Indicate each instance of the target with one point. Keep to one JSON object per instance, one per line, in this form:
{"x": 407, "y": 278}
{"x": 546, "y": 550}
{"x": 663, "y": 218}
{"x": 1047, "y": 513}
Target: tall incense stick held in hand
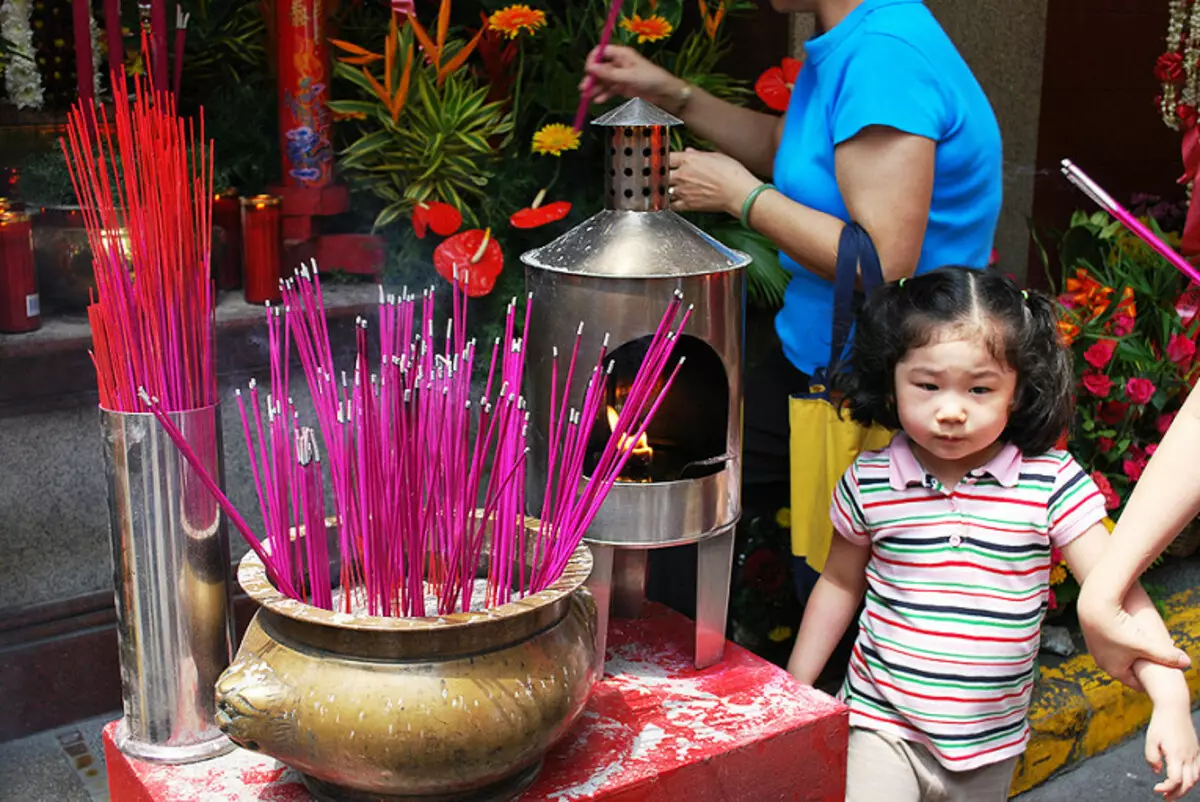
{"x": 585, "y": 94}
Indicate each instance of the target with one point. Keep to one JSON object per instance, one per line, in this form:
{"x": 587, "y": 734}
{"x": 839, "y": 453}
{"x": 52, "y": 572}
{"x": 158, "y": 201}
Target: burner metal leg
{"x": 714, "y": 565}
{"x": 629, "y": 582}
{"x": 600, "y": 584}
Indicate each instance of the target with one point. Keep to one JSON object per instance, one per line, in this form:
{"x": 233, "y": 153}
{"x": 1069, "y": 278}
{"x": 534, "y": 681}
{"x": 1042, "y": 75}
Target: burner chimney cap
{"x": 636, "y": 112}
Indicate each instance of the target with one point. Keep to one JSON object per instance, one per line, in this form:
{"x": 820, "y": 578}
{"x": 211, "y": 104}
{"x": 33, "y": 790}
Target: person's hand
{"x": 625, "y": 72}
{"x": 1115, "y": 640}
{"x": 702, "y": 181}
{"x": 1171, "y": 740}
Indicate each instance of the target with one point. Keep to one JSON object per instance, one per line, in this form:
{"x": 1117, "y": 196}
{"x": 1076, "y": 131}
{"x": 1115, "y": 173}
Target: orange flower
{"x": 712, "y": 23}
{"x": 511, "y": 20}
{"x": 1087, "y": 294}
{"x": 1068, "y": 330}
{"x": 650, "y": 29}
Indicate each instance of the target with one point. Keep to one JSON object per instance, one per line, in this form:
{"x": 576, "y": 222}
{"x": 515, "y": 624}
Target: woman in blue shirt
{"x": 886, "y": 126}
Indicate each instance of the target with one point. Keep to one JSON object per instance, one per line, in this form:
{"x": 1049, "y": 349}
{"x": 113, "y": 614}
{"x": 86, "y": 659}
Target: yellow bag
{"x": 822, "y": 444}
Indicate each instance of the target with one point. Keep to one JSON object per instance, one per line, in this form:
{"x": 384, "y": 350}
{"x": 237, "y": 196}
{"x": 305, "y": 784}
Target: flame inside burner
{"x": 639, "y": 448}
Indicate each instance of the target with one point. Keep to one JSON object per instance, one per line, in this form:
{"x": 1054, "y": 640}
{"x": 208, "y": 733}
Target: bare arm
{"x": 1171, "y": 737}
{"x": 886, "y": 179}
{"x": 1165, "y": 499}
{"x": 830, "y": 609}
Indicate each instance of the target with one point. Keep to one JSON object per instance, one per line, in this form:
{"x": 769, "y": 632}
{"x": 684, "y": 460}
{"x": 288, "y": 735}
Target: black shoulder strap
{"x": 855, "y": 252}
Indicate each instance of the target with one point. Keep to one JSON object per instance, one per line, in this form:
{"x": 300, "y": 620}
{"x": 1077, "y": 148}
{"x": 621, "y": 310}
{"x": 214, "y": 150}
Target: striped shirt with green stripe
{"x": 957, "y": 584}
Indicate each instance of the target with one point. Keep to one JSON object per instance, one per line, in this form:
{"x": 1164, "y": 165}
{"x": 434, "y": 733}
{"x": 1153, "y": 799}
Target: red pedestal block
{"x": 313, "y": 201}
{"x": 351, "y": 253}
{"x": 654, "y": 729}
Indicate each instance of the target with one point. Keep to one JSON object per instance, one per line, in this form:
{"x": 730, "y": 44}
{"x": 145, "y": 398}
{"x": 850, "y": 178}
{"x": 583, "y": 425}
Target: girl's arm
{"x": 1163, "y": 502}
{"x": 830, "y": 608}
{"x": 1171, "y": 736}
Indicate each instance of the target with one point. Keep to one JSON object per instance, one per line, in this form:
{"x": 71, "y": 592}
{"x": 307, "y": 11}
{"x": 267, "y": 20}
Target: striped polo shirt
{"x": 957, "y": 584}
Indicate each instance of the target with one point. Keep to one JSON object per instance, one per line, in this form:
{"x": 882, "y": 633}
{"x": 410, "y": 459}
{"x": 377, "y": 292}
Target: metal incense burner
{"x": 617, "y": 272}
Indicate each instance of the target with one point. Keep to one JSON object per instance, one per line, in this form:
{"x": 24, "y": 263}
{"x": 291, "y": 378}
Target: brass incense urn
{"x": 457, "y": 707}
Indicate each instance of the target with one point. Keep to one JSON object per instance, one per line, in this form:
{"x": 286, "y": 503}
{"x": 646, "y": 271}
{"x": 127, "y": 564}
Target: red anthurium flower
{"x": 774, "y": 86}
{"x": 472, "y": 259}
{"x": 443, "y": 218}
{"x": 539, "y": 215}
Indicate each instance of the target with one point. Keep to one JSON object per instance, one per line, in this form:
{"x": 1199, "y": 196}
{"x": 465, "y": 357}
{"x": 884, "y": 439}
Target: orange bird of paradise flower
{"x": 712, "y": 22}
{"x": 435, "y": 50}
{"x": 650, "y": 29}
{"x": 392, "y": 96}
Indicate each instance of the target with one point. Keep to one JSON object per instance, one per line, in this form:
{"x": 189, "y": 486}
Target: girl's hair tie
{"x": 1025, "y": 295}
{"x": 901, "y": 285}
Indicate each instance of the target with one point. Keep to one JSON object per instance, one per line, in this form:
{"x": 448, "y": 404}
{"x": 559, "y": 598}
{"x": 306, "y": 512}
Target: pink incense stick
{"x": 585, "y": 95}
{"x": 1137, "y": 227}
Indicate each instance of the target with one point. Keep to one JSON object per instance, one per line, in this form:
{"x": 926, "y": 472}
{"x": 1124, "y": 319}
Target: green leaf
{"x": 389, "y": 215}
{"x": 368, "y": 144}
{"x": 766, "y": 280}
{"x": 353, "y": 106}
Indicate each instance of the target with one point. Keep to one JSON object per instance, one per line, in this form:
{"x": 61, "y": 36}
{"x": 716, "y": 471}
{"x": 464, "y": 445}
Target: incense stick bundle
{"x": 146, "y": 199}
{"x": 427, "y": 479}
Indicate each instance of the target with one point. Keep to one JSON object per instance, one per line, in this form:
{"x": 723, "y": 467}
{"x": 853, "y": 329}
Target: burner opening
{"x": 687, "y": 438}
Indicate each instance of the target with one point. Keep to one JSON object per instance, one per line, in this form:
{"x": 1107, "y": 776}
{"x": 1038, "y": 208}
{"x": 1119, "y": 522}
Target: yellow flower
{"x": 650, "y": 29}
{"x": 1058, "y": 574}
{"x": 780, "y": 634}
{"x": 783, "y": 518}
{"x": 512, "y": 19}
{"x": 554, "y": 138}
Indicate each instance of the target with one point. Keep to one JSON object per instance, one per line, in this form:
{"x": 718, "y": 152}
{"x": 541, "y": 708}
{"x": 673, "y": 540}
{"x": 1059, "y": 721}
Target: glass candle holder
{"x": 226, "y": 215}
{"x": 20, "y": 307}
{"x": 262, "y": 243}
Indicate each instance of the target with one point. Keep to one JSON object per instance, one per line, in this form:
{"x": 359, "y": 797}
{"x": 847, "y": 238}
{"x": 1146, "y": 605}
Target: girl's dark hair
{"x": 1023, "y": 334}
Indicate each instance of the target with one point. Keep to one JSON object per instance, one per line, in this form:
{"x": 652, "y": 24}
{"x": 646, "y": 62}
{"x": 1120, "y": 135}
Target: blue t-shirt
{"x": 887, "y": 63}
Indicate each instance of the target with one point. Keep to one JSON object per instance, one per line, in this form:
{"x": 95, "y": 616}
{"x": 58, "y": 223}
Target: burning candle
{"x": 81, "y": 20}
{"x": 262, "y": 240}
{"x": 226, "y": 213}
{"x": 20, "y": 309}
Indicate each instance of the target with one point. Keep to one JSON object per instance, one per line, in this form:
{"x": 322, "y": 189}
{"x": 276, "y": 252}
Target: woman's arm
{"x": 830, "y": 608}
{"x": 1164, "y": 500}
{"x": 748, "y": 136}
{"x": 886, "y": 179}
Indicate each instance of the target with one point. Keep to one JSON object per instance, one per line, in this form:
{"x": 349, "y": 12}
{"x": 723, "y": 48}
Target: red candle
{"x": 262, "y": 241}
{"x": 20, "y": 309}
{"x": 81, "y": 19}
{"x": 227, "y": 271}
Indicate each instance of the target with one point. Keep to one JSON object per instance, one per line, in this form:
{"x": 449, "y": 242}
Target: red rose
{"x": 1122, "y": 324}
{"x": 1105, "y": 444}
{"x": 1111, "y": 499}
{"x": 1169, "y": 68}
{"x": 1133, "y": 468}
{"x": 1052, "y": 602}
{"x": 1139, "y": 390}
{"x": 1164, "y": 422}
{"x": 1180, "y": 350}
{"x": 764, "y": 571}
{"x": 1187, "y": 305}
{"x": 1056, "y": 555}
{"x": 1100, "y": 354}
{"x": 1186, "y": 114}
{"x": 1097, "y": 384}
{"x": 1112, "y": 412}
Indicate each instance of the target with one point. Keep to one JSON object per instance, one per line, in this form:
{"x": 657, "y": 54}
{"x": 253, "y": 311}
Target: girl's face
{"x": 953, "y": 399}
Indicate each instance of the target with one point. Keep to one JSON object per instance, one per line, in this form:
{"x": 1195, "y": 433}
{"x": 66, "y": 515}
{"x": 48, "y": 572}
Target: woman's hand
{"x": 1115, "y": 640}
{"x": 624, "y": 72}
{"x": 709, "y": 182}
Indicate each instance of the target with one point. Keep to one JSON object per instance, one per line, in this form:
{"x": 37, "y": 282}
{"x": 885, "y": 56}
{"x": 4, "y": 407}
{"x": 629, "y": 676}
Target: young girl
{"x": 948, "y": 531}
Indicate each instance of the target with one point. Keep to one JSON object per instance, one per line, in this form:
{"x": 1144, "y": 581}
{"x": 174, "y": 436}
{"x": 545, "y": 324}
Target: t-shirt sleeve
{"x": 846, "y": 509}
{"x": 1076, "y": 504}
{"x": 889, "y": 82}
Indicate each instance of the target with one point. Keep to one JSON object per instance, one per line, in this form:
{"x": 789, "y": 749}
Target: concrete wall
{"x": 1003, "y": 41}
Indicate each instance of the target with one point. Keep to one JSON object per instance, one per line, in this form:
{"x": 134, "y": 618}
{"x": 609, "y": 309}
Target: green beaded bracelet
{"x": 749, "y": 202}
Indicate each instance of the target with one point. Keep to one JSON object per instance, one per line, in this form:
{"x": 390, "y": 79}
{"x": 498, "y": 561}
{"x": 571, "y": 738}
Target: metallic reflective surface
{"x": 170, "y": 554}
{"x": 456, "y": 707}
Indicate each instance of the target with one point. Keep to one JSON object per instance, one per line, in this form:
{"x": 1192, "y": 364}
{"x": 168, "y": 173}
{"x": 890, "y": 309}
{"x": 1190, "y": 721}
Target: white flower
{"x": 22, "y": 81}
